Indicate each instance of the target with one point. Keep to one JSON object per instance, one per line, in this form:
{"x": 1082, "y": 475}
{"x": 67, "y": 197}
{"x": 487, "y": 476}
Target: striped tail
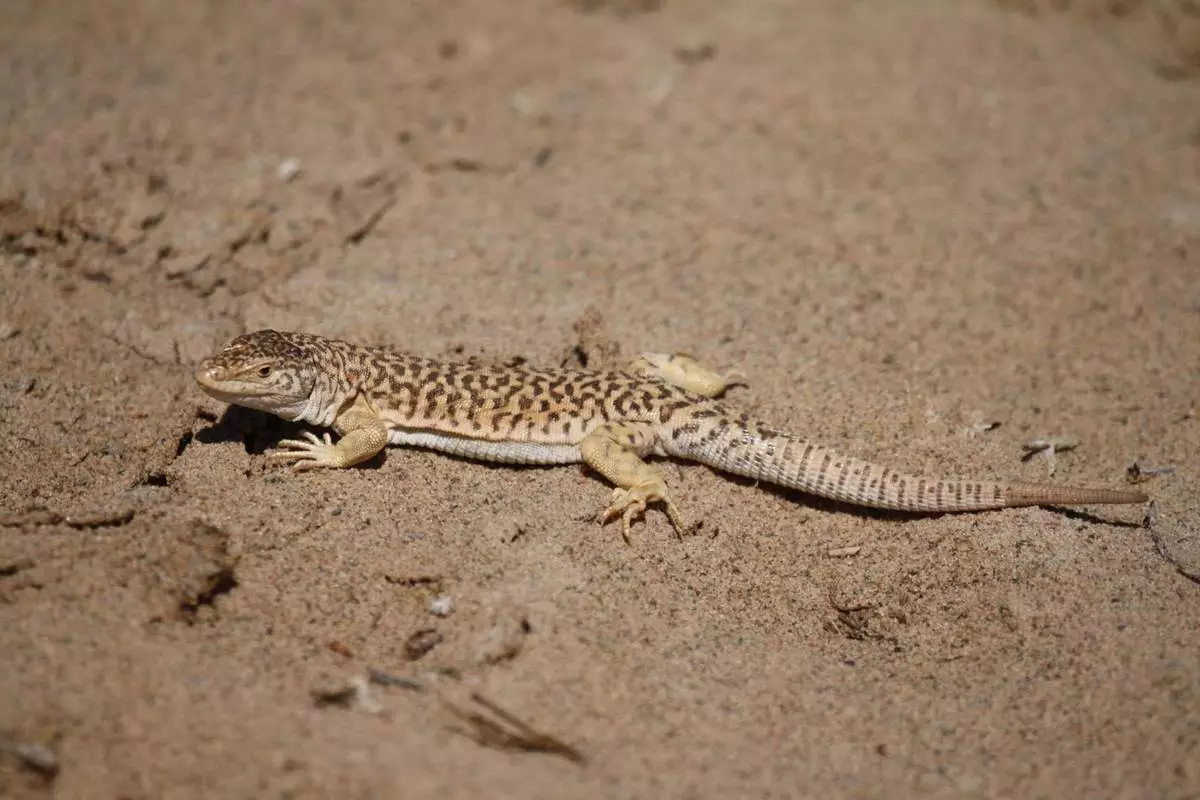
{"x": 740, "y": 446}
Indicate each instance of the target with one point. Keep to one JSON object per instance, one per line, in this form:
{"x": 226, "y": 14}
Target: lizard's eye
{"x": 264, "y": 371}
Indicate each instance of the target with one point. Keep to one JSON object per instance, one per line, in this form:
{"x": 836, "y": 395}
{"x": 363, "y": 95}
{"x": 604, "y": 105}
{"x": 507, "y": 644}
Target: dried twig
{"x": 381, "y": 678}
{"x": 1136, "y": 473}
{"x": 1160, "y": 546}
{"x": 37, "y": 515}
{"x": 978, "y": 428}
{"x": 13, "y": 567}
{"x": 1049, "y": 445}
{"x": 355, "y": 694}
{"x": 493, "y": 733}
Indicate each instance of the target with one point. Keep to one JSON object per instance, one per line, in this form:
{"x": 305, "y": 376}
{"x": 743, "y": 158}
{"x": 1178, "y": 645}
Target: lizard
{"x": 660, "y": 405}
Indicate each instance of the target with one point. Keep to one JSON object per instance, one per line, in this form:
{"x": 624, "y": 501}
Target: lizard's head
{"x": 266, "y": 370}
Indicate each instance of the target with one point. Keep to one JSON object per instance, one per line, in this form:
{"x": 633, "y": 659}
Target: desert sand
{"x": 929, "y": 233}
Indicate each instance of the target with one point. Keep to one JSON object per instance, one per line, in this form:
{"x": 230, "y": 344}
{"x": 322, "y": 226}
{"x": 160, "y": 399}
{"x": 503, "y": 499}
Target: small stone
{"x": 421, "y": 643}
{"x": 441, "y": 606}
{"x": 38, "y": 758}
{"x": 288, "y": 169}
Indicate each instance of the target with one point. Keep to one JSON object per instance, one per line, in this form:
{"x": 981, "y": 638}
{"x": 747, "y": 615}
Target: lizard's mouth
{"x": 209, "y": 378}
{"x": 215, "y": 381}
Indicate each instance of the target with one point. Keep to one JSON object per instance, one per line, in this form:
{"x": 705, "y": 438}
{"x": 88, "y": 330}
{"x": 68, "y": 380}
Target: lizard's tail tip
{"x": 1038, "y": 494}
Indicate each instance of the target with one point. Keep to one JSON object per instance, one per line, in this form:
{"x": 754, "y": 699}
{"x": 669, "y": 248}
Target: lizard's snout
{"x": 209, "y": 376}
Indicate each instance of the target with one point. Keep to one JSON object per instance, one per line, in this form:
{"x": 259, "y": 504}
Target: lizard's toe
{"x": 314, "y": 453}
{"x": 629, "y": 504}
{"x": 311, "y": 441}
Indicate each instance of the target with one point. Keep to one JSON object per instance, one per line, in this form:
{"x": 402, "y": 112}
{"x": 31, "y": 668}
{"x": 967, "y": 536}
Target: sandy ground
{"x": 902, "y": 221}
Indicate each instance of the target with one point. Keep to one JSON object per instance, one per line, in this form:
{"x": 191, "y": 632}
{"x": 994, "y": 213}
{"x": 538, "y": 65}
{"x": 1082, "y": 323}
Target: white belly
{"x": 502, "y": 452}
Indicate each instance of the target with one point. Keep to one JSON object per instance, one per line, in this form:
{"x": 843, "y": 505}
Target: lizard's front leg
{"x": 615, "y": 450}
{"x": 362, "y": 436}
{"x": 685, "y": 372}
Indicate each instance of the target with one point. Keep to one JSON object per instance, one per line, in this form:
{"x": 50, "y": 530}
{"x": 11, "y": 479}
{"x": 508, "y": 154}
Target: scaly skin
{"x": 661, "y": 405}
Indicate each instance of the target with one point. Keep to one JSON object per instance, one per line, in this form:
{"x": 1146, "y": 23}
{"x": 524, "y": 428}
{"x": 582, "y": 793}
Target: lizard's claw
{"x": 631, "y": 503}
{"x": 314, "y": 453}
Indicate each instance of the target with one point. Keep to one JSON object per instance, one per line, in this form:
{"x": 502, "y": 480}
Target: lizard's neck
{"x": 329, "y": 396}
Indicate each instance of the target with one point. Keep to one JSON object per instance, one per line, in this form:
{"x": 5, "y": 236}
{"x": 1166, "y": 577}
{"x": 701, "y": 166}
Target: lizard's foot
{"x": 630, "y": 503}
{"x": 315, "y": 453}
{"x": 680, "y": 369}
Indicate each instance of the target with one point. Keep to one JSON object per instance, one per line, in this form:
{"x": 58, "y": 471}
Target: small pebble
{"x": 441, "y": 606}
{"x": 421, "y": 643}
{"x": 288, "y": 169}
{"x": 38, "y": 758}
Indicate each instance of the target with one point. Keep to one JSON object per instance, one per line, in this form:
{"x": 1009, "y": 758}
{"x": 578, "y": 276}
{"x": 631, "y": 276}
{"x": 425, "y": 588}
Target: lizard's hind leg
{"x": 685, "y": 372}
{"x": 615, "y": 450}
